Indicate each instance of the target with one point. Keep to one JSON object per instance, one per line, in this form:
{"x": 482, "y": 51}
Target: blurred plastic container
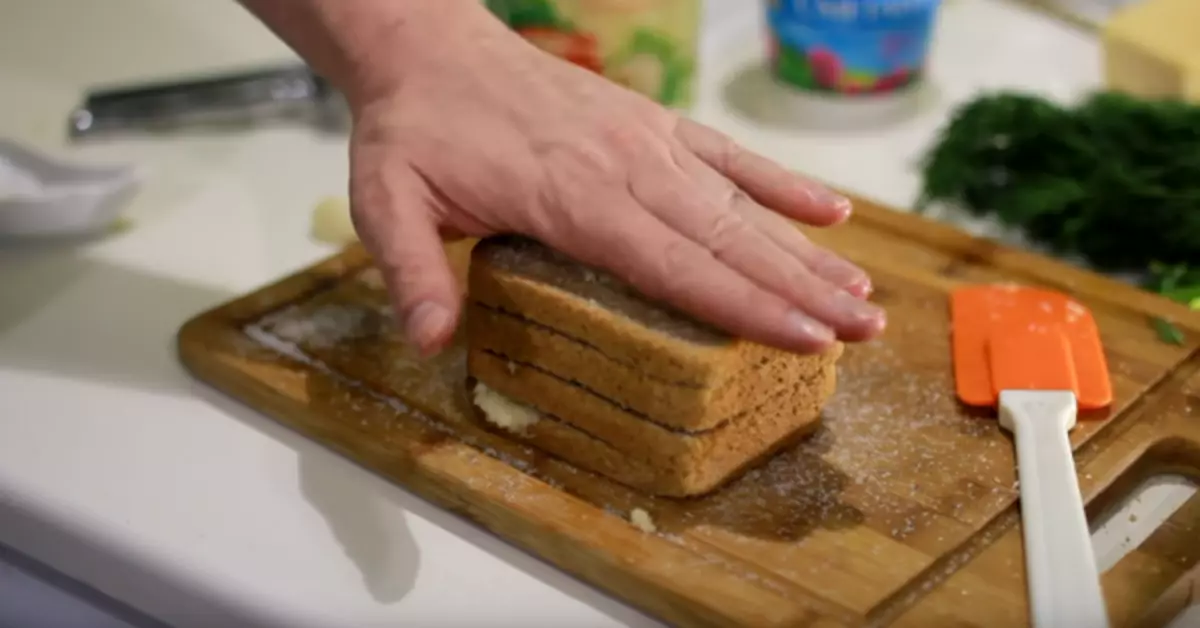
{"x": 850, "y": 47}
{"x": 649, "y": 46}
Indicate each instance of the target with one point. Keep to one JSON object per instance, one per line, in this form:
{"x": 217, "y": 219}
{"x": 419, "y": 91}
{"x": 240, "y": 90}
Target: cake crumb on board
{"x": 642, "y": 521}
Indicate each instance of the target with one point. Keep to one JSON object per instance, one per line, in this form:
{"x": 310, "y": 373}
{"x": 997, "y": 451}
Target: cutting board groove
{"x": 901, "y": 509}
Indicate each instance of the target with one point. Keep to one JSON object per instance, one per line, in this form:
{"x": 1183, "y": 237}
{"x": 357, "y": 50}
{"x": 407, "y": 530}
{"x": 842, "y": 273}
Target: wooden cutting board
{"x": 902, "y": 509}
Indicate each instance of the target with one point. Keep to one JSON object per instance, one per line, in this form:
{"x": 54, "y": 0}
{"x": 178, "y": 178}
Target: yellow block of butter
{"x": 1152, "y": 49}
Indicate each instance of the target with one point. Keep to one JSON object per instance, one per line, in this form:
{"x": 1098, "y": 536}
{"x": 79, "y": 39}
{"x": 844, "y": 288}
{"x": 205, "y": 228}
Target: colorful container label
{"x": 850, "y": 46}
{"x": 649, "y": 46}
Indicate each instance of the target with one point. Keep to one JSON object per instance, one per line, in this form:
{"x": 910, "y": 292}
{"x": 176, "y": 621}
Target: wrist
{"x": 367, "y": 48}
{"x": 402, "y": 39}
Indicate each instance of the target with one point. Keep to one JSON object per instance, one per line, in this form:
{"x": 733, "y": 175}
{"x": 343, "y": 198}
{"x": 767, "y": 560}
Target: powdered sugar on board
{"x": 331, "y": 324}
{"x": 883, "y": 407}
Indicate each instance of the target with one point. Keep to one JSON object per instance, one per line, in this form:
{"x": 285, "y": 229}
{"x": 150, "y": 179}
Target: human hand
{"x": 487, "y": 134}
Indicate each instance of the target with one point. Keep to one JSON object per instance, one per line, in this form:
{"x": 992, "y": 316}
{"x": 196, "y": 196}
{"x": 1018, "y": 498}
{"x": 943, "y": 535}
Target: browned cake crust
{"x": 523, "y": 277}
{"x": 602, "y": 438}
{"x": 643, "y": 393}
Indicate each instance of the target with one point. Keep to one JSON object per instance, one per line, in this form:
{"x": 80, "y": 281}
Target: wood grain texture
{"x": 901, "y": 509}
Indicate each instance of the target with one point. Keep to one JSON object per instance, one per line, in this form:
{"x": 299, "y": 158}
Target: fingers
{"x": 722, "y": 227}
{"x": 664, "y": 265}
{"x": 394, "y": 222}
{"x": 822, "y": 262}
{"x": 769, "y": 183}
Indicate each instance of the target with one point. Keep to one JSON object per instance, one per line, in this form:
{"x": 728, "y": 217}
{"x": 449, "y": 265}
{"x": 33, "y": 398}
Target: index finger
{"x": 769, "y": 183}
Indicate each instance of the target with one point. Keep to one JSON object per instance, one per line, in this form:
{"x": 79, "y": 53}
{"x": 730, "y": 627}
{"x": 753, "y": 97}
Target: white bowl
{"x": 40, "y": 196}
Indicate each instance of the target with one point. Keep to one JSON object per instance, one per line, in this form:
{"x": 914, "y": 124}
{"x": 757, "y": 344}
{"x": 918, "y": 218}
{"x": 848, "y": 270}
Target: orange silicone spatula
{"x": 1037, "y": 356}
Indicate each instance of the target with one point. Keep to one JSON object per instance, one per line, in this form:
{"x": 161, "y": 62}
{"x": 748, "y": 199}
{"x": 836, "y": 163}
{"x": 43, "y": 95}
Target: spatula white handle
{"x": 1064, "y": 585}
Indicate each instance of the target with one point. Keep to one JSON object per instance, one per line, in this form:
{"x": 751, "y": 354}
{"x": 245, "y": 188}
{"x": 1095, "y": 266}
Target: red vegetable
{"x": 582, "y": 49}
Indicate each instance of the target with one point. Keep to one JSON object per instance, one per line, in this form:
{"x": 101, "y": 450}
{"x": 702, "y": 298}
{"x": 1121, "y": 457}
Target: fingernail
{"x": 426, "y": 323}
{"x": 839, "y": 272}
{"x": 828, "y": 198}
{"x": 803, "y": 328}
{"x": 860, "y": 310}
{"x": 846, "y": 276}
{"x": 861, "y": 288}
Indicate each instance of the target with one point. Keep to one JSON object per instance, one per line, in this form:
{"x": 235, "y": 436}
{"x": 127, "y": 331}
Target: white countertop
{"x": 119, "y": 470}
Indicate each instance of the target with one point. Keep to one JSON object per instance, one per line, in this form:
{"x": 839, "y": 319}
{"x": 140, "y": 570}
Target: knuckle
{"x": 823, "y": 261}
{"x": 803, "y": 282}
{"x": 727, "y": 153}
{"x": 826, "y": 263}
{"x": 574, "y": 159}
{"x": 624, "y": 138}
{"x": 725, "y": 233}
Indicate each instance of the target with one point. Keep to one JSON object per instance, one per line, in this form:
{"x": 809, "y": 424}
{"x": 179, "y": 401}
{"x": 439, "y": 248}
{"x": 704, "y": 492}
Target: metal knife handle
{"x": 293, "y": 92}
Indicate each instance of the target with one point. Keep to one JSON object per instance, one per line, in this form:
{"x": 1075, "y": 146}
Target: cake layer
{"x": 592, "y": 433}
{"x": 522, "y": 277}
{"x": 644, "y": 393}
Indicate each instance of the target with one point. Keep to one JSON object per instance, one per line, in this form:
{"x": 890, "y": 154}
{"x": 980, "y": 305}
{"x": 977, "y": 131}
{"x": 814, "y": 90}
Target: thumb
{"x": 394, "y": 220}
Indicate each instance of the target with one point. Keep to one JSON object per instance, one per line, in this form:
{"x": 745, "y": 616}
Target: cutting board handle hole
{"x": 1137, "y": 511}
